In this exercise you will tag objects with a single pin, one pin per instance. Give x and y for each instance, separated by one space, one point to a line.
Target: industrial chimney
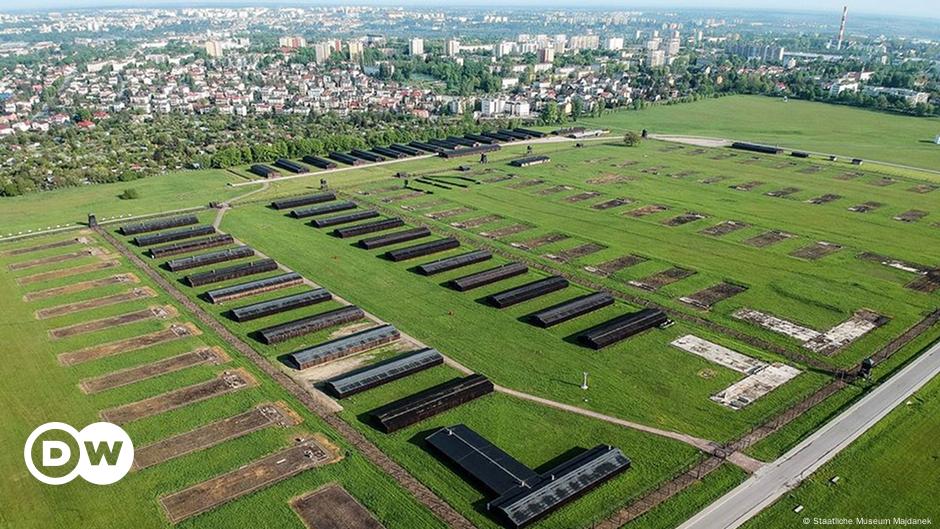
845 10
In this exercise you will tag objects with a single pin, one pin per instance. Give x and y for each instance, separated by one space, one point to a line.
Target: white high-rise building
452 47
416 46
613 44
672 46
355 49
322 51
492 107
656 58
214 48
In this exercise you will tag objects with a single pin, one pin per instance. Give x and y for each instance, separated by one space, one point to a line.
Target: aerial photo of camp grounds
469 265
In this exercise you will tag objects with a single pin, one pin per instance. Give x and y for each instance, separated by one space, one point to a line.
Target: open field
891 471
819 127
38 390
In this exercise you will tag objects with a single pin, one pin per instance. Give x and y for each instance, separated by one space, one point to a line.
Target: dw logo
102 453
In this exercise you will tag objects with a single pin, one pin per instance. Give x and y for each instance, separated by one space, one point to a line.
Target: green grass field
891 471
37 390
818 127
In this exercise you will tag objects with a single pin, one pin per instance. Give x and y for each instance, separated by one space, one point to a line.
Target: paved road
773 480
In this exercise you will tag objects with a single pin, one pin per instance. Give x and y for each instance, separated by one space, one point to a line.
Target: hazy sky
920 8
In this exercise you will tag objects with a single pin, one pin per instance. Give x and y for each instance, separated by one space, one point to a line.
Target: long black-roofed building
310 324
322 209
264 171
344 346
487 277
756 147
452 263
220 256
513 296
346 159
368 227
419 250
306 200
289 165
318 162
426 147
231 272
530 160
498 136
521 495
344 219
388 239
428 403
366 155
530 132
479 138
622 327
405 149
173 235
158 224
383 372
281 304
389 153
513 134
571 309
191 245
251 288
469 151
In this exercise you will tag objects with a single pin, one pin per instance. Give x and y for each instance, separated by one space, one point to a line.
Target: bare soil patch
746 186
447 213
812 169
331 507
46 246
923 188
685 218
476 222
263 416
613 203
713 179
929 282
780 193
913 215
173 332
81 286
304 455
226 382
424 205
661 279
124 377
609 178
526 183
706 299
506 231
127 318
88 304
67 272
577 252
646 210
613 266
554 189
59 258
582 196
769 238
883 181
724 228
816 251
824 199
899 264
537 242
403 196
849 175
865 207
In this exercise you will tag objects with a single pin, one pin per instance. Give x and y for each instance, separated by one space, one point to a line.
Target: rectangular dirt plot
580 197
124 377
226 382
531 244
906 266
866 207
780 193
505 232
403 196
850 175
613 203
812 169
685 218
261 473
331 507
81 286
94 303
421 206
447 213
174 332
706 299
824 199
913 215
768 238
577 252
67 272
713 179
923 188
59 258
613 266
646 210
150 313
661 279
46 246
476 222
883 181
609 179
724 228
746 186
263 416
816 251
929 282
554 189
526 183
